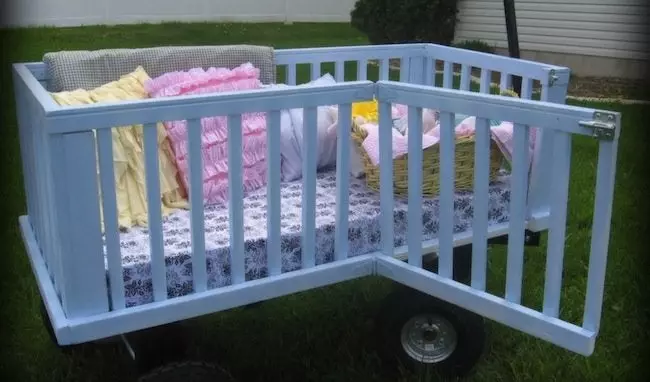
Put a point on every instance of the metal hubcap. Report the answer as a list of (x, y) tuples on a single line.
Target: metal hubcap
[(428, 338)]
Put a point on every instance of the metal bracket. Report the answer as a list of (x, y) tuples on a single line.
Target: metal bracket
[(552, 77), (603, 125)]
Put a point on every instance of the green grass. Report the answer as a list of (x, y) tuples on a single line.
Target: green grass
[(326, 334)]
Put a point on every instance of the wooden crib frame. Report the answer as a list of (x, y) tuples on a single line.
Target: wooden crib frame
[(62, 233)]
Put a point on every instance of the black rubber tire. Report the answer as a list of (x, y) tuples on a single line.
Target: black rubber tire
[(462, 264), (159, 346), (187, 371), (404, 303)]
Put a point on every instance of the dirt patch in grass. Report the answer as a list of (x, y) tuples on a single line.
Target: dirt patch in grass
[(591, 87), (601, 87)]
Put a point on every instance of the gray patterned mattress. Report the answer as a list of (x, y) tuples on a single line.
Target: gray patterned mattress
[(364, 234)]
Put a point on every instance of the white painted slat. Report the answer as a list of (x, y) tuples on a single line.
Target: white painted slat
[(557, 227), (386, 178), (415, 186), (158, 273), (199, 265), (39, 190), (111, 225), (404, 69), (26, 150), (429, 71), (516, 236), (448, 75), (384, 68), (342, 182), (340, 71), (315, 70), (600, 234), (526, 88), (49, 203), (83, 273), (447, 180), (465, 76), (362, 70), (541, 173), (481, 189), (291, 74), (236, 199), (310, 144), (486, 78), (58, 178), (38, 220), (505, 81), (273, 195), (39, 212)]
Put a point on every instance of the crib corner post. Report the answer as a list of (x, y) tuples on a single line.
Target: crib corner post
[(77, 223), (554, 89)]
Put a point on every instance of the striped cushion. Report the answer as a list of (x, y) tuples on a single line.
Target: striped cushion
[(71, 70)]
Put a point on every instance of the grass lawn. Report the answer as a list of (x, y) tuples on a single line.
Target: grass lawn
[(325, 335)]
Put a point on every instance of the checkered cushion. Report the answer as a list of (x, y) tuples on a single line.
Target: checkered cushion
[(70, 70)]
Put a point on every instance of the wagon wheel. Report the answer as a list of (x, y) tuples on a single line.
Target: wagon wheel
[(187, 371), (430, 336)]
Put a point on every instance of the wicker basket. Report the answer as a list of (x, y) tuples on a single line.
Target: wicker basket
[(463, 166)]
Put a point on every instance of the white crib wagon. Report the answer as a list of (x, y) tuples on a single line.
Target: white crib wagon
[(80, 270)]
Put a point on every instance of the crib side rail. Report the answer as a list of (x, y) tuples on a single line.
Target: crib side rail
[(347, 63), (561, 122), (79, 190), (85, 117), (32, 104), (549, 83), (420, 64)]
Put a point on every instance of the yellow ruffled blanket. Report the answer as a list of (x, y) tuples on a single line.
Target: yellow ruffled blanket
[(128, 152)]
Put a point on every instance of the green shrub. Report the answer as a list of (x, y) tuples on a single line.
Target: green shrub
[(406, 21), (477, 45)]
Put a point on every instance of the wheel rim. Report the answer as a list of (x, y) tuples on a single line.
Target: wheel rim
[(428, 338)]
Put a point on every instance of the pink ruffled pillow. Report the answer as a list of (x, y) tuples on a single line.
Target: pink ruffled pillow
[(214, 133)]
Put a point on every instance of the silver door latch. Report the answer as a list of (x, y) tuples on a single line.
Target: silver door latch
[(603, 125)]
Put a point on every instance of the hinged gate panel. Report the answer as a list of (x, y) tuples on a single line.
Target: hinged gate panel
[(563, 122)]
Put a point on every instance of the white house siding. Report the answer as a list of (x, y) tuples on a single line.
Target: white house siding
[(89, 12), (592, 36)]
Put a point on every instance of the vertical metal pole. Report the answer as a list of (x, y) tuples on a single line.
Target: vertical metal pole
[(513, 38)]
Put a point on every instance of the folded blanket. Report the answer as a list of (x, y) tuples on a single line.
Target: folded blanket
[(70, 70), (501, 133), (128, 152), (291, 135)]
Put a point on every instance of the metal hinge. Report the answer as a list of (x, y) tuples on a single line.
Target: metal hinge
[(552, 77), (603, 125)]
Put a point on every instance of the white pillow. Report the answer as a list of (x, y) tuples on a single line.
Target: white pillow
[(291, 135), (292, 148), (355, 164)]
